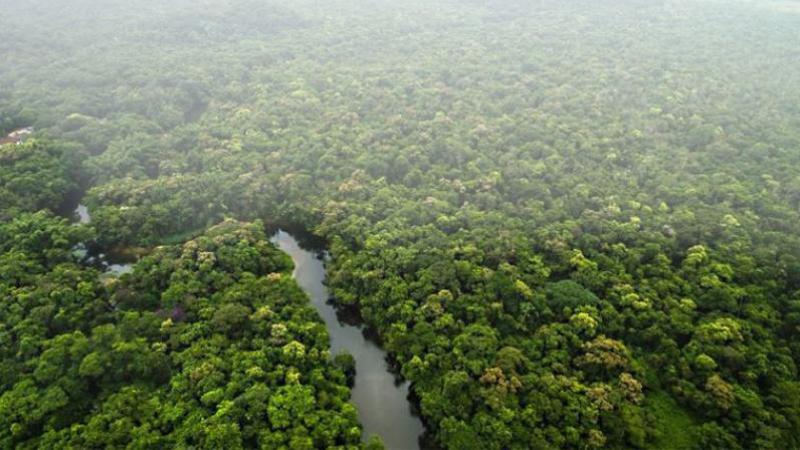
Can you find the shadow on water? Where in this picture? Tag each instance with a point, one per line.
(70, 204)
(385, 407)
(307, 241)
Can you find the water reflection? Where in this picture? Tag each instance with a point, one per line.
(109, 267)
(382, 403)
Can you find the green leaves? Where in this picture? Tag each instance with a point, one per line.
(203, 366)
(573, 198)
(34, 175)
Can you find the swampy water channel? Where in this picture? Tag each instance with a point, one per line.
(110, 265)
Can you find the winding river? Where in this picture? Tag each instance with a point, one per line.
(383, 405)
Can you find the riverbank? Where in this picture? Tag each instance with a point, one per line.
(383, 404)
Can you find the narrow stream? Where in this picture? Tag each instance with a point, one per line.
(383, 406)
(110, 268)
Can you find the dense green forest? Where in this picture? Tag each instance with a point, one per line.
(572, 224)
(208, 344)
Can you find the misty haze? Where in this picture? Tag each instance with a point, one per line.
(409, 224)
